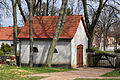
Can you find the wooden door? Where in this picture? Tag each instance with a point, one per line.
(79, 56)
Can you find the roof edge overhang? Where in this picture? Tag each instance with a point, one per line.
(85, 27)
(6, 40)
(46, 38)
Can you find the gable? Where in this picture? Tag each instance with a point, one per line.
(44, 27)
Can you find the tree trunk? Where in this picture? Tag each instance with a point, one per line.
(104, 46)
(100, 44)
(115, 43)
(52, 9)
(47, 8)
(40, 7)
(15, 28)
(44, 7)
(31, 33)
(19, 52)
(90, 39)
(58, 30)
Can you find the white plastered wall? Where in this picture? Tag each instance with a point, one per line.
(62, 57)
(79, 38)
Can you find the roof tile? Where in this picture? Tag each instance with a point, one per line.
(44, 27)
(6, 33)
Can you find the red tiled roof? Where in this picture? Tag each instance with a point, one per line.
(6, 33)
(44, 27)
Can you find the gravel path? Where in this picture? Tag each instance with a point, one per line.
(80, 73)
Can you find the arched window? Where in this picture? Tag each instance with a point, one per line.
(35, 49)
(11, 44)
(55, 51)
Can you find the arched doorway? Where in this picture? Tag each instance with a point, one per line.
(79, 55)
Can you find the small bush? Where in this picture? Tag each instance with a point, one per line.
(5, 49)
(95, 48)
(117, 51)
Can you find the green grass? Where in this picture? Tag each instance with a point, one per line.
(95, 79)
(114, 73)
(18, 73)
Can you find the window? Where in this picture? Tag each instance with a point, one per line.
(11, 44)
(35, 49)
(55, 51)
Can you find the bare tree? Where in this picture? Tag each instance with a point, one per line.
(21, 11)
(79, 7)
(3, 4)
(58, 30)
(36, 4)
(4, 10)
(53, 7)
(91, 22)
(116, 30)
(107, 19)
(95, 18)
(15, 27)
(39, 7)
(31, 32)
(47, 7)
(69, 12)
(71, 3)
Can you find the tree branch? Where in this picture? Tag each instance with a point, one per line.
(28, 4)
(86, 12)
(97, 14)
(21, 11)
(116, 2)
(113, 7)
(91, 7)
(35, 6)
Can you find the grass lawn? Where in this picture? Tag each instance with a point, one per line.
(18, 73)
(114, 73)
(96, 79)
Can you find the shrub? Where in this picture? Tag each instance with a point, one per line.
(1, 53)
(117, 51)
(95, 48)
(99, 52)
(5, 49)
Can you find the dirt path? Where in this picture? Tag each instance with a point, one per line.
(80, 73)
